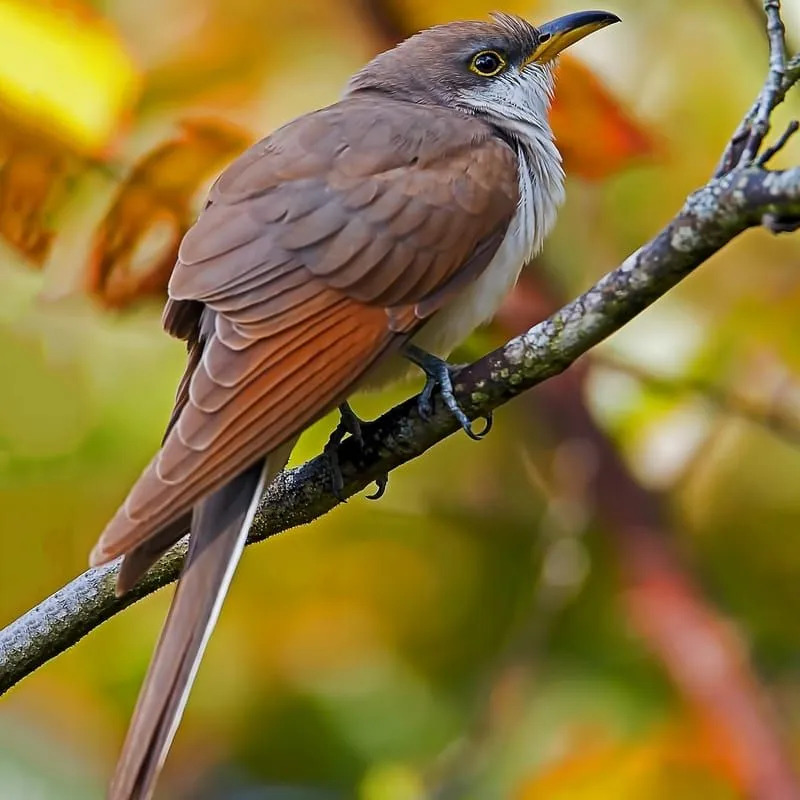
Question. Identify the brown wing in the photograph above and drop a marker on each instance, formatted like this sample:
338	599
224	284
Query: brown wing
320	248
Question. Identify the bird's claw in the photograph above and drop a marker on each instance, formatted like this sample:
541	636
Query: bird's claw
381	482
439	375
349	422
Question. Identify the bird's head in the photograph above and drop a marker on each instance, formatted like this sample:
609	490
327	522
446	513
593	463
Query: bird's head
501	69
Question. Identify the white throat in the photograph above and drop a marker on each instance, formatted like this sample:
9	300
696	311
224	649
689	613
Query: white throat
541	183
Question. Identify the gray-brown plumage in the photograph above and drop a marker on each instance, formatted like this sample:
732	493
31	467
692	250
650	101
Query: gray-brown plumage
400	214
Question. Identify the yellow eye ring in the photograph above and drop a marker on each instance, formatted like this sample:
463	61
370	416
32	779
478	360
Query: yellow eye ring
487	63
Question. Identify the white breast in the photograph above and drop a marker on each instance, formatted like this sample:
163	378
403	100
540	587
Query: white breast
540	192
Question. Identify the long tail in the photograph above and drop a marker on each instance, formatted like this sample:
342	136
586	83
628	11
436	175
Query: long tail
219	529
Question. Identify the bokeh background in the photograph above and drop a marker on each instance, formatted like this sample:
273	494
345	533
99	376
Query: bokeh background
601	600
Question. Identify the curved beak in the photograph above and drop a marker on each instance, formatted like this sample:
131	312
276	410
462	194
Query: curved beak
558	34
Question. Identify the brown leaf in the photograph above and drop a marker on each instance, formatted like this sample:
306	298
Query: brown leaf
137	242
33	178
596	136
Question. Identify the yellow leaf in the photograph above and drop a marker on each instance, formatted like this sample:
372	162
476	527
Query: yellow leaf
64	73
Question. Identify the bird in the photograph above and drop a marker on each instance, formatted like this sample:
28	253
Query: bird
331	257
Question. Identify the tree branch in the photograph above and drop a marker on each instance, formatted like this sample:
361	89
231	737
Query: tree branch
709	219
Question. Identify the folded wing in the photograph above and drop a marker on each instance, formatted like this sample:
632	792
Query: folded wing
320	249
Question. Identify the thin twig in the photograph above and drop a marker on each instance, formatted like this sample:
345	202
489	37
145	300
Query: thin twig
772	86
772	94
756	8
773	150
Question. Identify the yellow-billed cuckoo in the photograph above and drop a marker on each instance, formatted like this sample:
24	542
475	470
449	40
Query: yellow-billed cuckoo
381	229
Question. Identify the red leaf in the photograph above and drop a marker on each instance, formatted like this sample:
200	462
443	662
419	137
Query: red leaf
596	136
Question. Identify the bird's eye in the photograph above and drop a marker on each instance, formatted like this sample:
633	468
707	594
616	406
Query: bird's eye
487	63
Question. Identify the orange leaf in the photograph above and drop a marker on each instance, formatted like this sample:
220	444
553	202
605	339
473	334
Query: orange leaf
675	761
417	14
596	136
32	180
136	244
678	760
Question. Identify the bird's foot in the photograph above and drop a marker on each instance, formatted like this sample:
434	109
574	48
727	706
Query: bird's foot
439	374
349	422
